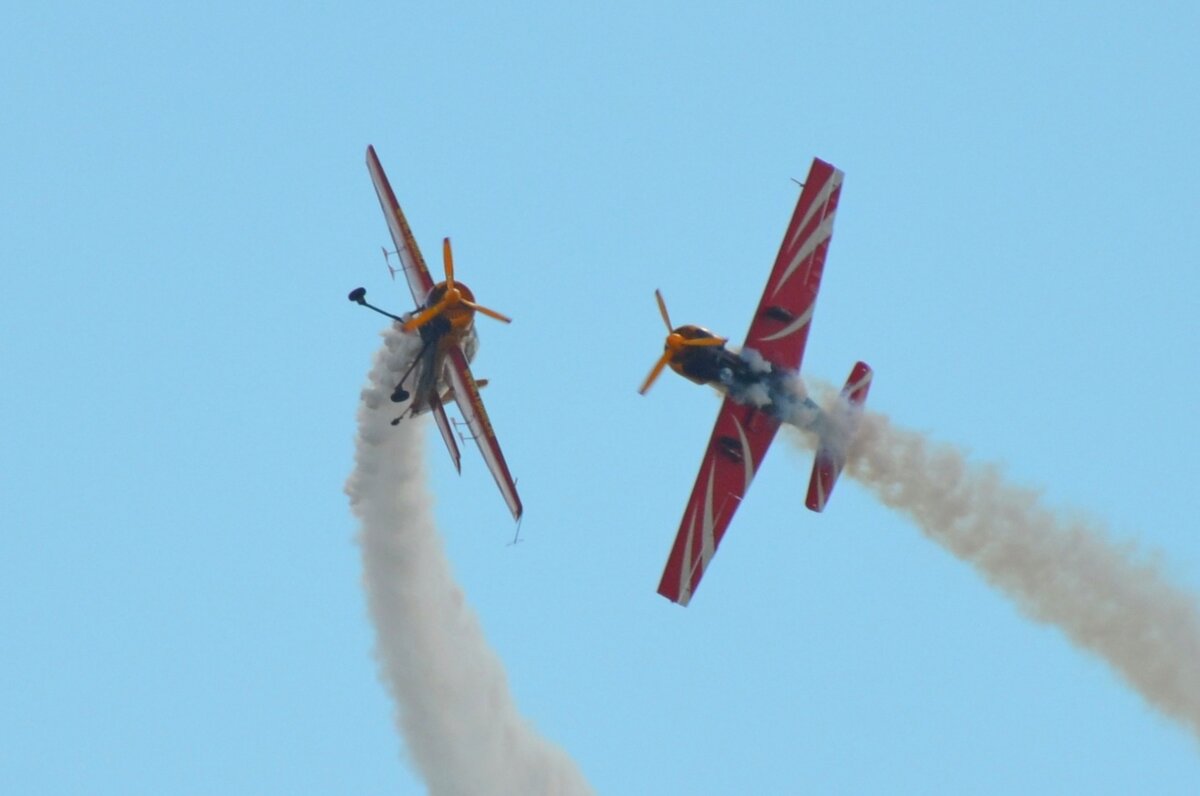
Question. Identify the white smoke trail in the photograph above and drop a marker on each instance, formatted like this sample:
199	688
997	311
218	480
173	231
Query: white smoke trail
1061	570
453	706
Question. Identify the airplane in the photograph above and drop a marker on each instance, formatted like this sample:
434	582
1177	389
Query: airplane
445	321
761	388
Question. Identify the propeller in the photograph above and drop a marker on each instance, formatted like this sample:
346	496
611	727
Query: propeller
453	297
675	344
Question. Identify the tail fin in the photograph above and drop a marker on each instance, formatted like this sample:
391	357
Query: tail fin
836	433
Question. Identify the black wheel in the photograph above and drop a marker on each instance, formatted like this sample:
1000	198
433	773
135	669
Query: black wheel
357	295
399	394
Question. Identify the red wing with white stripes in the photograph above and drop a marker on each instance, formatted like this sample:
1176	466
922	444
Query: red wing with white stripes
739	442
779	330
466	394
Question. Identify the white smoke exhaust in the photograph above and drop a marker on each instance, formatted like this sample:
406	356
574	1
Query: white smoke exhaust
453	706
1064	571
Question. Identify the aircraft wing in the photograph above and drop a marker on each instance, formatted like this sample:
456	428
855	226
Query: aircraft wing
779	330
466	394
443	424
739	441
419	281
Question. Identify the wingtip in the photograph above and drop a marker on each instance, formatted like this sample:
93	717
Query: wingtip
681	600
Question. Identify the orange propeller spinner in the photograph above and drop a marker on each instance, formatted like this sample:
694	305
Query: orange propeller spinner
675	344
453	297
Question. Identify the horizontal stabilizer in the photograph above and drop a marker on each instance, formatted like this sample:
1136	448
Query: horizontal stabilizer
836	433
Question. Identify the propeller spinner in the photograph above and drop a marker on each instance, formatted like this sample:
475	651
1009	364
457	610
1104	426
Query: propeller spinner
455	296
677	342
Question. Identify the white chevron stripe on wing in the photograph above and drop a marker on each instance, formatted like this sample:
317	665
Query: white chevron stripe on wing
822	199
685	566
821	234
792	327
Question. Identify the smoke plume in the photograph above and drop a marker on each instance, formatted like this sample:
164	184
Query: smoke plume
1066	571
453	706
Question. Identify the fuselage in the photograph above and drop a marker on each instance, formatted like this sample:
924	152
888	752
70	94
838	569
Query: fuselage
454	326
745	377
706	364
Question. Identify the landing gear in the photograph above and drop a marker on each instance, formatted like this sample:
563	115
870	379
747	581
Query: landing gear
400	394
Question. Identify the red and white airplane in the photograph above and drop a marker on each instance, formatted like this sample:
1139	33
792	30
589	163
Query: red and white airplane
761	388
445	319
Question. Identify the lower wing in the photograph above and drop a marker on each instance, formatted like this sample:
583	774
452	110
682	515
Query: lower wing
739	441
466	394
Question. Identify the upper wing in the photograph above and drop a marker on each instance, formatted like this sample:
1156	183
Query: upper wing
419	281
466	394
739	441
779	330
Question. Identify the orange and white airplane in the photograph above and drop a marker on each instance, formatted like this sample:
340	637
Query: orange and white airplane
445	320
762	389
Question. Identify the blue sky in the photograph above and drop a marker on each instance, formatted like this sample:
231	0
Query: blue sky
186	206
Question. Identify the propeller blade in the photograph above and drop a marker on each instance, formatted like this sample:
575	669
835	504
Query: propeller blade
662	309
490	313
424	317
448	261
658	368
